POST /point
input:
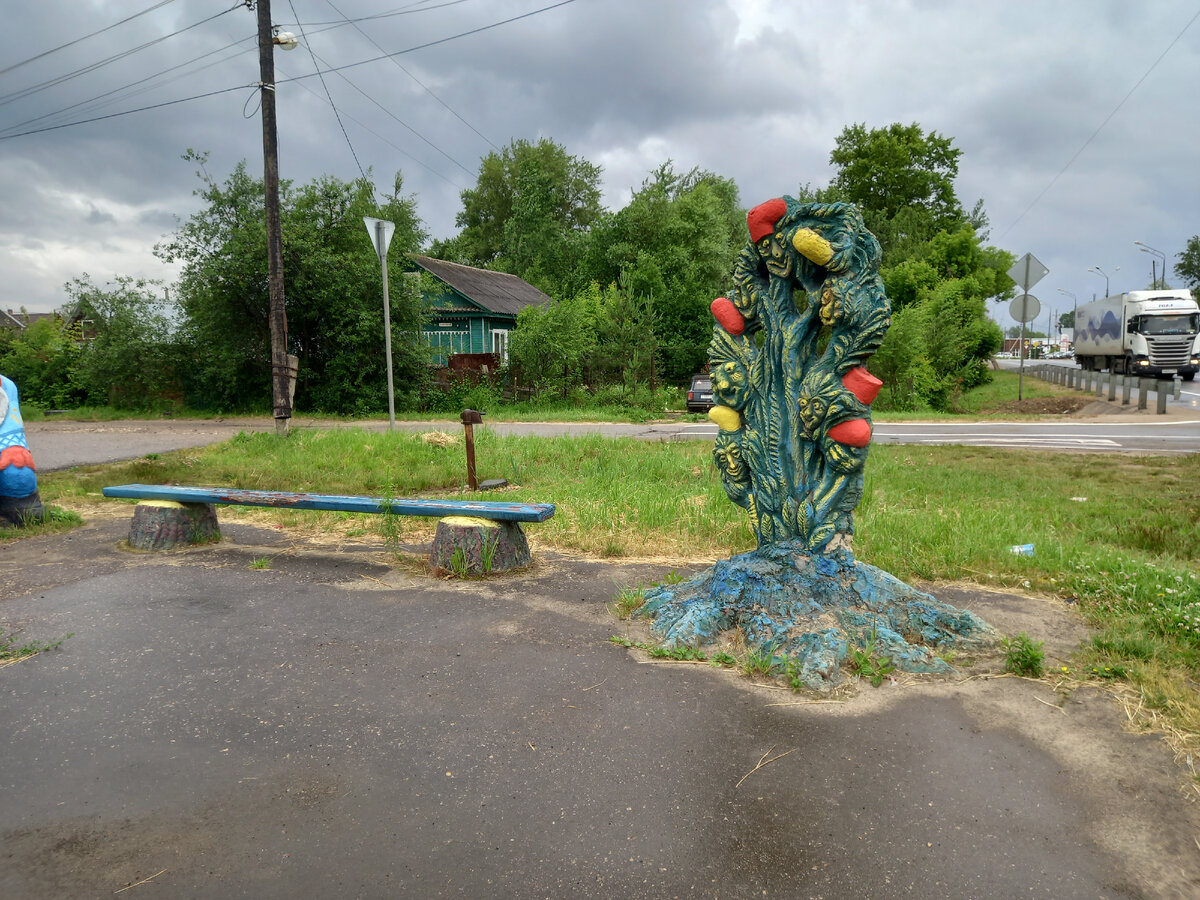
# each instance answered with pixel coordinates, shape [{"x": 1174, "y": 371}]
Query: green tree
[
  {"x": 527, "y": 215},
  {"x": 674, "y": 244},
  {"x": 129, "y": 359},
  {"x": 333, "y": 294},
  {"x": 1188, "y": 267},
  {"x": 552, "y": 345},
  {"x": 41, "y": 361},
  {"x": 1066, "y": 320},
  {"x": 893, "y": 171},
  {"x": 937, "y": 348}
]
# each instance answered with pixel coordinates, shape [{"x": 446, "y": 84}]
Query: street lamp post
[
  {"x": 1159, "y": 256},
  {"x": 281, "y": 368},
  {"x": 1074, "y": 310},
  {"x": 1099, "y": 271}
]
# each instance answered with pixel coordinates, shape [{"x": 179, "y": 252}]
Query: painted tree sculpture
[{"x": 794, "y": 424}]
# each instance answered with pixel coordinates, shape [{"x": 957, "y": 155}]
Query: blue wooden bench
[
  {"x": 480, "y": 509},
  {"x": 172, "y": 515}
]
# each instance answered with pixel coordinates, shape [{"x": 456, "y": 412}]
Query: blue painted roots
[{"x": 812, "y": 609}]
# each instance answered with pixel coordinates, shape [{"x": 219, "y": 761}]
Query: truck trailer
[{"x": 1140, "y": 333}]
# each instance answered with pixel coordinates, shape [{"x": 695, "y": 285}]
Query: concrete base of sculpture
[
  {"x": 166, "y": 524},
  {"x": 466, "y": 545},
  {"x": 21, "y": 511},
  {"x": 812, "y": 609}
]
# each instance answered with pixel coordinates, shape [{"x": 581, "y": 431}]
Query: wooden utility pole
[{"x": 280, "y": 368}]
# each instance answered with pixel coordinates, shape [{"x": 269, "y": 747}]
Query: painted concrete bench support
[{"x": 474, "y": 537}]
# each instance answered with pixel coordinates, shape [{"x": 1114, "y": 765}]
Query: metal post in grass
[
  {"x": 1143, "y": 388},
  {"x": 1160, "y": 402},
  {"x": 470, "y": 418},
  {"x": 1112, "y": 386},
  {"x": 1126, "y": 383}
]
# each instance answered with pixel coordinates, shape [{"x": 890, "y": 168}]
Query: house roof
[
  {"x": 497, "y": 292},
  {"x": 22, "y": 319}
]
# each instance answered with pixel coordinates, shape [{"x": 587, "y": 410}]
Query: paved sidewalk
[{"x": 331, "y": 727}]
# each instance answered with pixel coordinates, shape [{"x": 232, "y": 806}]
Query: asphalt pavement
[{"x": 337, "y": 726}]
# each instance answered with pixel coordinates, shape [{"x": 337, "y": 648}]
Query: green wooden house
[{"x": 477, "y": 309}]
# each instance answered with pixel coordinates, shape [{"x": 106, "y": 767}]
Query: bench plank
[{"x": 504, "y": 512}]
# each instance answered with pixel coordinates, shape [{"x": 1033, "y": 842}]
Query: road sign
[
  {"x": 1028, "y": 271},
  {"x": 381, "y": 237},
  {"x": 380, "y": 231},
  {"x": 1025, "y": 308}
]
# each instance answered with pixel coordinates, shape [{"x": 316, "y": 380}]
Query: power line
[
  {"x": 402, "y": 11},
  {"x": 328, "y": 95},
  {"x": 444, "y": 40},
  {"x": 1100, "y": 127},
  {"x": 239, "y": 87},
  {"x": 401, "y": 67},
  {"x": 400, "y": 121},
  {"x": 127, "y": 112},
  {"x": 390, "y": 143},
  {"x": 132, "y": 84},
  {"x": 33, "y": 89},
  {"x": 79, "y": 40}
]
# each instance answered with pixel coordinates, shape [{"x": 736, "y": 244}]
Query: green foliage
[
  {"x": 1188, "y": 267},
  {"x": 530, "y": 206},
  {"x": 760, "y": 662},
  {"x": 941, "y": 339},
  {"x": 551, "y": 344},
  {"x": 131, "y": 360},
  {"x": 869, "y": 664},
  {"x": 901, "y": 178},
  {"x": 1023, "y": 656},
  {"x": 675, "y": 242},
  {"x": 332, "y": 284},
  {"x": 41, "y": 361},
  {"x": 628, "y": 601}
]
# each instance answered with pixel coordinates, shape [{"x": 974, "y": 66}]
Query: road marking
[{"x": 988, "y": 440}]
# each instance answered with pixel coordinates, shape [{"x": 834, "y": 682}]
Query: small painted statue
[{"x": 19, "y": 500}]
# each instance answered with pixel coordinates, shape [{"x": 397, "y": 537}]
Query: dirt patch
[{"x": 1045, "y": 406}]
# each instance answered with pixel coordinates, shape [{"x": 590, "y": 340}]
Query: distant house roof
[
  {"x": 497, "y": 292},
  {"x": 21, "y": 319}
]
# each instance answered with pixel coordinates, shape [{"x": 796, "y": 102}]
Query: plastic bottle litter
[{"x": 1021, "y": 549}]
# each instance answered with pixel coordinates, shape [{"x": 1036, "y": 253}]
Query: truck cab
[{"x": 1148, "y": 333}]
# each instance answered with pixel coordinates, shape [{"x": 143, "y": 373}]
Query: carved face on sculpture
[
  {"x": 831, "y": 305},
  {"x": 728, "y": 455},
  {"x": 774, "y": 253},
  {"x": 731, "y": 383},
  {"x": 812, "y": 413}
]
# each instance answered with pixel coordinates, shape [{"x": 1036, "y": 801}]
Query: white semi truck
[{"x": 1140, "y": 333}]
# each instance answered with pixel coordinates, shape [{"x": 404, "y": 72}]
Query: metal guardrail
[{"x": 1105, "y": 385}]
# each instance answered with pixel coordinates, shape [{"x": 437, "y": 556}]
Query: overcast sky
[{"x": 1077, "y": 120}]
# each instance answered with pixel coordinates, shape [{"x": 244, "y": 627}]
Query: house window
[
  {"x": 446, "y": 343},
  {"x": 500, "y": 344}
]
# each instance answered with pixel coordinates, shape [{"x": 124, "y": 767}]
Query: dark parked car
[{"x": 700, "y": 394}]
